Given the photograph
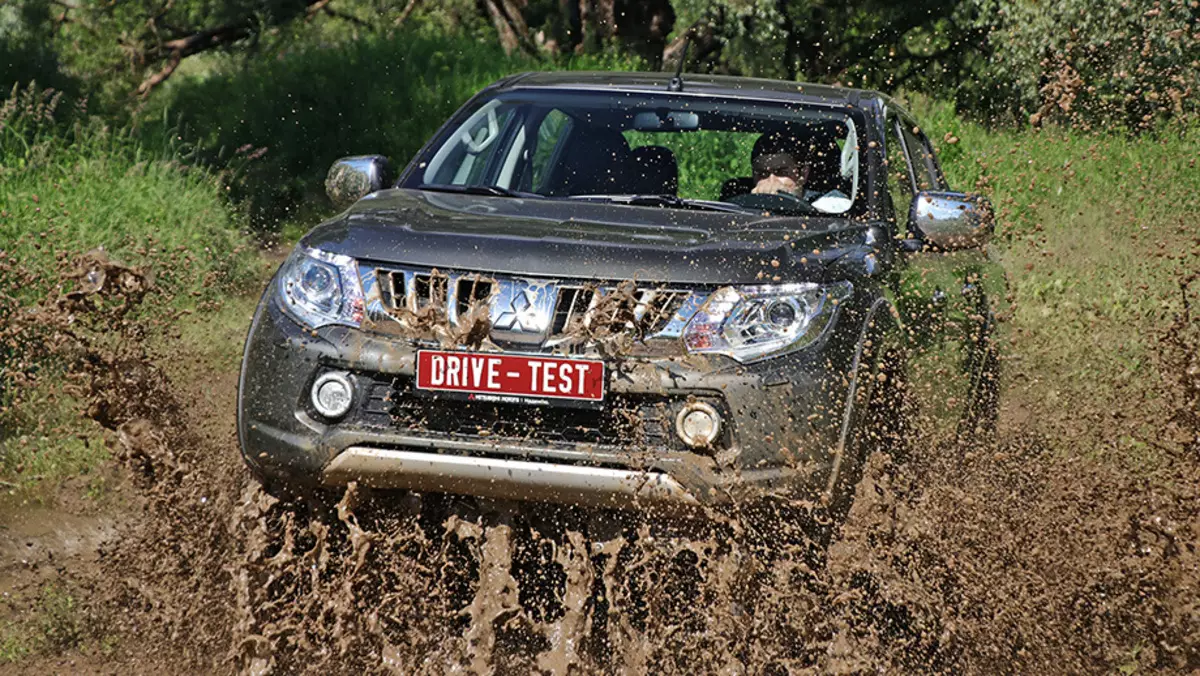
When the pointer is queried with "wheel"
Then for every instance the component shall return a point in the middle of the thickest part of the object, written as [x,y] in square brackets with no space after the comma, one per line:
[978,425]
[880,422]
[882,425]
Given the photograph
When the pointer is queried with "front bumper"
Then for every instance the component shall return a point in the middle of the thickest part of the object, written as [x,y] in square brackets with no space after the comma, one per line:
[784,420]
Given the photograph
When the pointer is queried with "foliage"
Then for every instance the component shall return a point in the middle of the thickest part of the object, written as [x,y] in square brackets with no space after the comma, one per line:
[26,47]
[706,159]
[68,181]
[286,119]
[1080,62]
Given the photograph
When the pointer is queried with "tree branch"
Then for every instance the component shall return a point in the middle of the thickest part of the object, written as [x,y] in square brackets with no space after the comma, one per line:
[174,51]
[406,12]
[331,12]
[514,33]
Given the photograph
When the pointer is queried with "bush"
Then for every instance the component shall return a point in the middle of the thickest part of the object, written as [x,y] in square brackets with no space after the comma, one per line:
[281,122]
[70,183]
[1129,64]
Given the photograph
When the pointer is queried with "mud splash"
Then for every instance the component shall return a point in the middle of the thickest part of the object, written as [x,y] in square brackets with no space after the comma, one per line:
[1009,556]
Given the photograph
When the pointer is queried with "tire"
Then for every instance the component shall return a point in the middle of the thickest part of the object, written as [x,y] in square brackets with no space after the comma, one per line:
[883,426]
[978,425]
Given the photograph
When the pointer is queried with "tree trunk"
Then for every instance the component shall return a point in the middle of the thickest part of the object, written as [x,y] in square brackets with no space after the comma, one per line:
[510,24]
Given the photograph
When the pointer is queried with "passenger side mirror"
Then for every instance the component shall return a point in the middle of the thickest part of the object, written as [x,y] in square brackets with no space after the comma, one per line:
[951,220]
[350,178]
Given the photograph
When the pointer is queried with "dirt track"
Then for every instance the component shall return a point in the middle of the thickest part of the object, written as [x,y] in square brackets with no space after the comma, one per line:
[1013,557]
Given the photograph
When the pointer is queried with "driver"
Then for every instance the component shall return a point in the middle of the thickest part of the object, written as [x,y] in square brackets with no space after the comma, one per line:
[780,165]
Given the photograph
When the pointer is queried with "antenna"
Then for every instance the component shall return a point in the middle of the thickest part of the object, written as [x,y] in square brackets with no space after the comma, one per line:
[676,83]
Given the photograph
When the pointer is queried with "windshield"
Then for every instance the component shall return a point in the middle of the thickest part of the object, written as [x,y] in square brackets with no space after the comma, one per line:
[665,149]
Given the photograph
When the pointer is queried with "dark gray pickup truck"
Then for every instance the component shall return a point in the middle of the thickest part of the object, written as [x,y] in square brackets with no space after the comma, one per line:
[621,290]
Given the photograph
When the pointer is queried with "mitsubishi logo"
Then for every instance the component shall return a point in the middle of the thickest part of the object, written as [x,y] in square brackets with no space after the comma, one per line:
[522,310]
[523,314]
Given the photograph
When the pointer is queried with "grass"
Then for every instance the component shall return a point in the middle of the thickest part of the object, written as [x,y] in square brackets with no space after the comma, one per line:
[55,623]
[1095,232]
[69,184]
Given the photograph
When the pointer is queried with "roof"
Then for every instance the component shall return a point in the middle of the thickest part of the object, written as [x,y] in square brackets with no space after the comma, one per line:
[713,85]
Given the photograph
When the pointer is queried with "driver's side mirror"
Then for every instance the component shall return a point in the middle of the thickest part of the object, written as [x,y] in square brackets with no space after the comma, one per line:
[350,178]
[951,220]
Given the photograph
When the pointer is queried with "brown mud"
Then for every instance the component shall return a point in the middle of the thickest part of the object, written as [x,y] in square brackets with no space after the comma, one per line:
[1015,555]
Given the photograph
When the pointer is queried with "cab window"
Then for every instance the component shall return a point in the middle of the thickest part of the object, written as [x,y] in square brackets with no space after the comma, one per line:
[924,167]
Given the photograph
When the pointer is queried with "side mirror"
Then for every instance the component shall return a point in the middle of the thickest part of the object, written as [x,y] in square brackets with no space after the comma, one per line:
[951,220]
[350,178]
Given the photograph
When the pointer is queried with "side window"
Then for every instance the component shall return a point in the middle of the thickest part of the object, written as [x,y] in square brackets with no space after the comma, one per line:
[551,133]
[898,178]
[924,167]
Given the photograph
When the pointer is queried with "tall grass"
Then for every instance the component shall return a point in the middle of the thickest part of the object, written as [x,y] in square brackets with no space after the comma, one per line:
[70,184]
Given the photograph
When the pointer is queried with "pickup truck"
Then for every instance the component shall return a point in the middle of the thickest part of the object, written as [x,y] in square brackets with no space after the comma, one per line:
[631,291]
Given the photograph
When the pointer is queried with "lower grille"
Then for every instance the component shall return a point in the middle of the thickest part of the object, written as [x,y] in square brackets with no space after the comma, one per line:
[642,422]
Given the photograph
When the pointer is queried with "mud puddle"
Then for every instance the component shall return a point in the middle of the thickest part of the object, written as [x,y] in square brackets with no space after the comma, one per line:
[35,542]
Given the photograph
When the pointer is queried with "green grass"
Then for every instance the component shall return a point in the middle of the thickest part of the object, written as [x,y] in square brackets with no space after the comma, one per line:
[1095,232]
[68,184]
[55,623]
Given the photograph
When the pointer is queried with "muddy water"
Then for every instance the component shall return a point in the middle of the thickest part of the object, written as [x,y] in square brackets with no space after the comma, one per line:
[1012,556]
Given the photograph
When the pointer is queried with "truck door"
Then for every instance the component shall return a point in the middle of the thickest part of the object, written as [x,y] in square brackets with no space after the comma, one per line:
[942,296]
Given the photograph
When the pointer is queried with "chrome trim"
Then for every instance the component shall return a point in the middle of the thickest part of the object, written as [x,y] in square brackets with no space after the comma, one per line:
[352,178]
[949,220]
[503,478]
[538,299]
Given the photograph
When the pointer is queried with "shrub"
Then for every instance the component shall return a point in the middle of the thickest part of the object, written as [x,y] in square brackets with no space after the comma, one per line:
[285,120]
[69,183]
[1129,64]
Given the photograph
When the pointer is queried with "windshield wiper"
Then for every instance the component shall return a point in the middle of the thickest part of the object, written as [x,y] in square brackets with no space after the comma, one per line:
[492,190]
[665,201]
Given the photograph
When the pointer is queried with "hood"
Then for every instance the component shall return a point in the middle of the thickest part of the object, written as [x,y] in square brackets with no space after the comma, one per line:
[596,241]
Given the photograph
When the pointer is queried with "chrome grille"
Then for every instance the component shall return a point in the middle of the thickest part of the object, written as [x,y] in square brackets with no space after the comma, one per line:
[572,306]
[647,312]
[469,290]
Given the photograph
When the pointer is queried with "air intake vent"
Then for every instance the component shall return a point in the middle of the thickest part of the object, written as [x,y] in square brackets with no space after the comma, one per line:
[393,291]
[573,304]
[471,290]
[397,290]
[430,290]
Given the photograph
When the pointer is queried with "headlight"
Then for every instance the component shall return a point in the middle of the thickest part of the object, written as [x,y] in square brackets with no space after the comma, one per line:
[320,288]
[754,322]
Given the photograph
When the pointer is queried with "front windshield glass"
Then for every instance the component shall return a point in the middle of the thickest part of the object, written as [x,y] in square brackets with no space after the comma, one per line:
[655,149]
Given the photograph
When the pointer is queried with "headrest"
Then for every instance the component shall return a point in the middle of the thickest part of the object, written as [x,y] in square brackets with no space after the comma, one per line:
[656,171]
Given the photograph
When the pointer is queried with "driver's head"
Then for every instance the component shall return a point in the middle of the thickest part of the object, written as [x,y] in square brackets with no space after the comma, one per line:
[779,155]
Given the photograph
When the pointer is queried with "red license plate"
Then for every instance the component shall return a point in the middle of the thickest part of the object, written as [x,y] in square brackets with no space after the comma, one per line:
[497,377]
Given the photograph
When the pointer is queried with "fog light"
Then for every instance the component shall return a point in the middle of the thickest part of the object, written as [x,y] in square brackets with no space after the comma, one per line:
[698,424]
[332,394]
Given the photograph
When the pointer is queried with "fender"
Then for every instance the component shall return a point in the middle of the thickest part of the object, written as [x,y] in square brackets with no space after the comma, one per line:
[878,329]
